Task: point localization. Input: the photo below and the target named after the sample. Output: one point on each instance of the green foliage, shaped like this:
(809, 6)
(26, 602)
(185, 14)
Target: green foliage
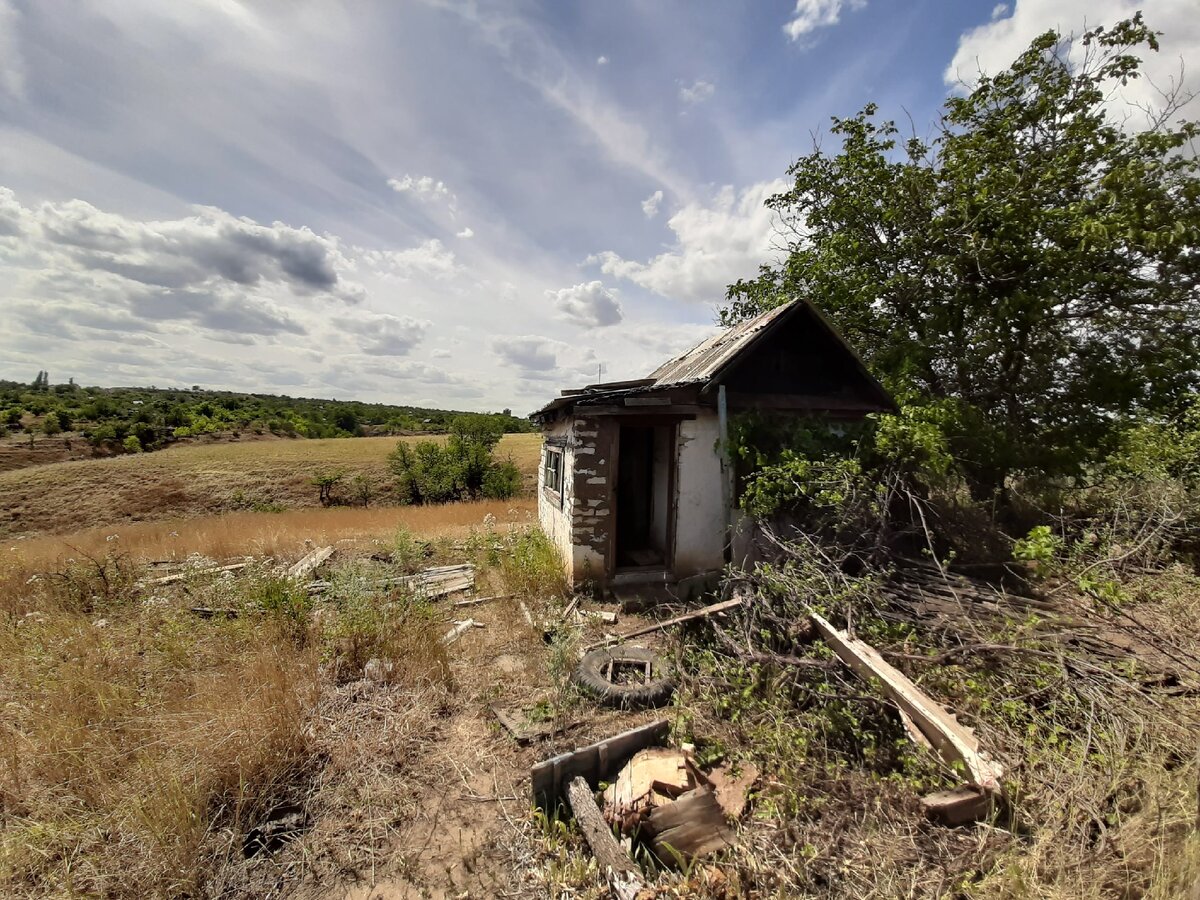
(1030, 272)
(131, 444)
(1040, 546)
(325, 482)
(287, 602)
(462, 468)
(795, 480)
(160, 416)
(529, 563)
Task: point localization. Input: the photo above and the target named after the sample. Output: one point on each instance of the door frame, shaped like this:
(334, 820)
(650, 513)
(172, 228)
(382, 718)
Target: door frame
(644, 421)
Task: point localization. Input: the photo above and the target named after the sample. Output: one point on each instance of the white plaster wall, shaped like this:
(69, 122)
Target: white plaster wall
(554, 521)
(700, 520)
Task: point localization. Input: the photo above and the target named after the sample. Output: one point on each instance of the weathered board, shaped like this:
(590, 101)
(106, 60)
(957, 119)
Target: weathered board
(596, 762)
(691, 827)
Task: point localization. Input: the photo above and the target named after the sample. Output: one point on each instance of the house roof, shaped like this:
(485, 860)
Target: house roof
(707, 361)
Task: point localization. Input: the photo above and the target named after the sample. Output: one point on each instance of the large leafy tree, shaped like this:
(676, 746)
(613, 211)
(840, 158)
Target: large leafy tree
(1029, 276)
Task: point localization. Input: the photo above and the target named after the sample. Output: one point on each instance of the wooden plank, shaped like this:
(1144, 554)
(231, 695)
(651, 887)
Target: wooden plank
(958, 807)
(180, 576)
(459, 627)
(595, 762)
(669, 623)
(622, 873)
(524, 732)
(689, 828)
(953, 742)
(475, 601)
(310, 563)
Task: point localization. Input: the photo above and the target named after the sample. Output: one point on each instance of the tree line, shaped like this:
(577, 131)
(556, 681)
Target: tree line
(142, 419)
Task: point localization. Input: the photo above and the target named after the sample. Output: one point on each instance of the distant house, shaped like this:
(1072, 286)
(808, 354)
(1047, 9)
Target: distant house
(634, 482)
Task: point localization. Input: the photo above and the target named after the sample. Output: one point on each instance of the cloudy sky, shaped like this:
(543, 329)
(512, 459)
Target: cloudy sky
(466, 205)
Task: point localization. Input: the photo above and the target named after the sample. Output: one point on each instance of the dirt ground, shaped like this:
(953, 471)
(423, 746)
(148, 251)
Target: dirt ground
(450, 789)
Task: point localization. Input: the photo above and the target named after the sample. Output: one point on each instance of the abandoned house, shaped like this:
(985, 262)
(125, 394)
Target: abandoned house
(635, 484)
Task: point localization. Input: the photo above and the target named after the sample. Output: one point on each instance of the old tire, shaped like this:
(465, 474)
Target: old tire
(590, 676)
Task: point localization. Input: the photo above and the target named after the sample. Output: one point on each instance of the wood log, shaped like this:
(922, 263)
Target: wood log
(188, 573)
(459, 627)
(958, 807)
(622, 873)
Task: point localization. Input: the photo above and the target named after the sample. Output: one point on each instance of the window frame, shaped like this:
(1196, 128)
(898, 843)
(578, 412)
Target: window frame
(554, 453)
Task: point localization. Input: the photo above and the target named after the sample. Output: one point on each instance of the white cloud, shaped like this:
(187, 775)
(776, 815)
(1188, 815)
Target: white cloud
(993, 46)
(651, 203)
(466, 233)
(697, 92)
(1000, 9)
(207, 250)
(12, 61)
(602, 60)
(809, 15)
(589, 304)
(544, 359)
(422, 187)
(430, 258)
(715, 244)
(529, 352)
(385, 335)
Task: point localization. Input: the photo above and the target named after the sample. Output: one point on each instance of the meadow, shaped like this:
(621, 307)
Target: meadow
(195, 480)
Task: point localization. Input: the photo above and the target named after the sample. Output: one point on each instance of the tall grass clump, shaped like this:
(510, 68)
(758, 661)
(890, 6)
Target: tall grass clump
(528, 562)
(130, 740)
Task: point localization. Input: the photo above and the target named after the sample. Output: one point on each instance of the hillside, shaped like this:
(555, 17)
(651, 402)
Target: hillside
(205, 479)
(133, 419)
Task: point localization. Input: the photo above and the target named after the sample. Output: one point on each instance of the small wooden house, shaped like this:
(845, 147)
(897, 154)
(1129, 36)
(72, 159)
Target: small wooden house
(635, 484)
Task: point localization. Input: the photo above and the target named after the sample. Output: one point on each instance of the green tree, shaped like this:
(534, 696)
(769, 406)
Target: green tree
(1032, 272)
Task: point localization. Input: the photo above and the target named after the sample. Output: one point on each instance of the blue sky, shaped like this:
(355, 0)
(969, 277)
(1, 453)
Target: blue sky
(466, 205)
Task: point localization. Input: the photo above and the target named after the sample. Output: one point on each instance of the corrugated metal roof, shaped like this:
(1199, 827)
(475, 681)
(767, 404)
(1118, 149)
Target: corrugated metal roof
(704, 361)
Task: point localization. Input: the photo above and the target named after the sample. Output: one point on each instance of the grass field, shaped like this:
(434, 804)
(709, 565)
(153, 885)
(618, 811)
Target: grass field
(202, 480)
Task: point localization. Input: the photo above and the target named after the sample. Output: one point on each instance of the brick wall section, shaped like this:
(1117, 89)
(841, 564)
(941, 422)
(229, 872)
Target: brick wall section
(591, 512)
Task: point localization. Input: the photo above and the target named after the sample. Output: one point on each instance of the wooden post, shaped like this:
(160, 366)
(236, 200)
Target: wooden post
(621, 872)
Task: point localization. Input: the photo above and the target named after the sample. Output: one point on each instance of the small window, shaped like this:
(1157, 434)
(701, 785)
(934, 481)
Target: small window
(553, 475)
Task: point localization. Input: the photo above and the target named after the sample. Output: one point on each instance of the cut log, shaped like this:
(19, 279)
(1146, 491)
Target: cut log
(310, 563)
(958, 807)
(733, 792)
(669, 623)
(651, 778)
(689, 828)
(953, 742)
(622, 873)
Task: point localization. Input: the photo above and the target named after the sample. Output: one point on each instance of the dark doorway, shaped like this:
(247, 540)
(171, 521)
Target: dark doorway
(644, 461)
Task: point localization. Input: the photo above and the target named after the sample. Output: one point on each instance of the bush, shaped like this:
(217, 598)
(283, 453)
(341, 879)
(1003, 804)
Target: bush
(462, 468)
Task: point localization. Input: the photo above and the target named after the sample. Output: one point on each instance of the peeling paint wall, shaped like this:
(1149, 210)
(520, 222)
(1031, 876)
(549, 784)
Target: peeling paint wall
(700, 521)
(591, 502)
(582, 527)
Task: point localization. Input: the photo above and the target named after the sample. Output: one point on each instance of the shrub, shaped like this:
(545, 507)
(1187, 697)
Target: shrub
(461, 468)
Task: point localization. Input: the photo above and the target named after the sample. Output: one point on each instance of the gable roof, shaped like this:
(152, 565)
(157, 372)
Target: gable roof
(707, 362)
(709, 357)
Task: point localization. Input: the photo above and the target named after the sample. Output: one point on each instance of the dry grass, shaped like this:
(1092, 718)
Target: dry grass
(124, 741)
(261, 534)
(202, 479)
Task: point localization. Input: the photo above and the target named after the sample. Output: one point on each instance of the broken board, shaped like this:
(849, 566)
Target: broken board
(953, 742)
(595, 762)
(692, 827)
